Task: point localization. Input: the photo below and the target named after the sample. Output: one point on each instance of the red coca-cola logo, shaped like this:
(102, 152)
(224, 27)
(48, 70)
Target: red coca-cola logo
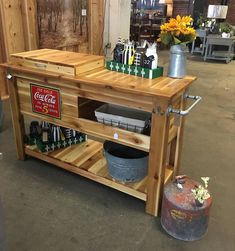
(48, 98)
(45, 100)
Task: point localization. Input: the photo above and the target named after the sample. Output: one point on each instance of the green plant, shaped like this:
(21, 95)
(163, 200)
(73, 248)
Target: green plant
(201, 193)
(226, 27)
(201, 22)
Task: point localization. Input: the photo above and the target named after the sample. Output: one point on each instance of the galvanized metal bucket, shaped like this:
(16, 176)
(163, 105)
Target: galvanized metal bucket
(177, 64)
(181, 217)
(125, 164)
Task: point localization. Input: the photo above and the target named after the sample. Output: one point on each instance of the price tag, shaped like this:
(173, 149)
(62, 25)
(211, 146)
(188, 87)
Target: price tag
(115, 136)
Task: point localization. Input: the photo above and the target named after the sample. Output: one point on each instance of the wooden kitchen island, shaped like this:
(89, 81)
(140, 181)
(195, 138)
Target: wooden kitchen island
(80, 95)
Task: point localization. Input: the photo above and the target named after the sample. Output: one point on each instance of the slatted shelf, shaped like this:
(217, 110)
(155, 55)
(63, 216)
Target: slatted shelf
(86, 159)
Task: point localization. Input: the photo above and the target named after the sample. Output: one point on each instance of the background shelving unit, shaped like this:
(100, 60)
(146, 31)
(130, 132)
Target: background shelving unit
(145, 23)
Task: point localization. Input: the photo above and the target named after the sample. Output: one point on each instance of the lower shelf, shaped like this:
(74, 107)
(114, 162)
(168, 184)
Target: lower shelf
(86, 159)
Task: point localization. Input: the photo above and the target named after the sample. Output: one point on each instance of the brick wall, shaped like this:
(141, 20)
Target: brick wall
(184, 7)
(231, 12)
(181, 7)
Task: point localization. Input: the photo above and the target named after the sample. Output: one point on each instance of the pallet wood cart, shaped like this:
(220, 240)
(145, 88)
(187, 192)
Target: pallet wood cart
(84, 84)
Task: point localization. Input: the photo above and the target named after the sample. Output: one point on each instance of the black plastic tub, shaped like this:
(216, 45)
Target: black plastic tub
(125, 164)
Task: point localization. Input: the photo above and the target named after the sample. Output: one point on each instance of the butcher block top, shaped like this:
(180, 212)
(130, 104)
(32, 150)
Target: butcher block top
(90, 71)
(64, 62)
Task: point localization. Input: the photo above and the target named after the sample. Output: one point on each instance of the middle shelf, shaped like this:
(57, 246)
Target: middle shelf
(86, 159)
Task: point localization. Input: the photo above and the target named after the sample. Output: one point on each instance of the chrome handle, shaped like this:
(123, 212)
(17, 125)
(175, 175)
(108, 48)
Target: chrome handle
(186, 112)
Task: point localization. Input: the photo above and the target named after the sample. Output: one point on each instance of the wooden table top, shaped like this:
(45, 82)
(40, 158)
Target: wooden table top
(162, 86)
(104, 79)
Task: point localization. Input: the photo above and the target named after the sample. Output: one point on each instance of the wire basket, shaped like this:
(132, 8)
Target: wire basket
(123, 118)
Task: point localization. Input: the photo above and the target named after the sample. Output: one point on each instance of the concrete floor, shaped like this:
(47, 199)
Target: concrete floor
(47, 208)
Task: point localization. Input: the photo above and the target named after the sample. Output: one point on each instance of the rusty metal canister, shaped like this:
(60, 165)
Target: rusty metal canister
(180, 216)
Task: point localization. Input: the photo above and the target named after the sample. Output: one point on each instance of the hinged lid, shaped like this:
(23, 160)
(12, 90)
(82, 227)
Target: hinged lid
(62, 62)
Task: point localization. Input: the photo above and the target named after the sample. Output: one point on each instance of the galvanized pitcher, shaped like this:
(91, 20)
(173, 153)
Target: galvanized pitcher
(177, 65)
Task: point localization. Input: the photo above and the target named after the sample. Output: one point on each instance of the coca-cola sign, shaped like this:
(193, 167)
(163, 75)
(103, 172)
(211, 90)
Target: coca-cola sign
(45, 100)
(48, 98)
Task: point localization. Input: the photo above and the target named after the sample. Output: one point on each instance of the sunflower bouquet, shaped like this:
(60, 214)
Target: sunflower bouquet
(177, 31)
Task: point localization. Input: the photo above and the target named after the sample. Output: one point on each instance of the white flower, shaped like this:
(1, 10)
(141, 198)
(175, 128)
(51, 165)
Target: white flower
(201, 193)
(205, 180)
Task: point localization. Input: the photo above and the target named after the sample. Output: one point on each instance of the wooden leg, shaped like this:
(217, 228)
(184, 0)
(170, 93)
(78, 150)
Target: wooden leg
(17, 118)
(157, 161)
(179, 139)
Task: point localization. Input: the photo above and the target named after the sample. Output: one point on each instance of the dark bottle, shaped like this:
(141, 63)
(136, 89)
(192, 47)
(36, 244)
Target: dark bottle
(45, 132)
(35, 130)
(118, 51)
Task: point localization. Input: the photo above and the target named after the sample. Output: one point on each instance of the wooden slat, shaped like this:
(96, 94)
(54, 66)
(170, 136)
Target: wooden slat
(96, 26)
(12, 25)
(94, 167)
(29, 18)
(93, 161)
(138, 85)
(103, 180)
(32, 53)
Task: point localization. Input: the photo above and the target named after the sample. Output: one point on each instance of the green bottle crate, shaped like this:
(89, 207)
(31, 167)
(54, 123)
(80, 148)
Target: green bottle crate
(47, 147)
(134, 70)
